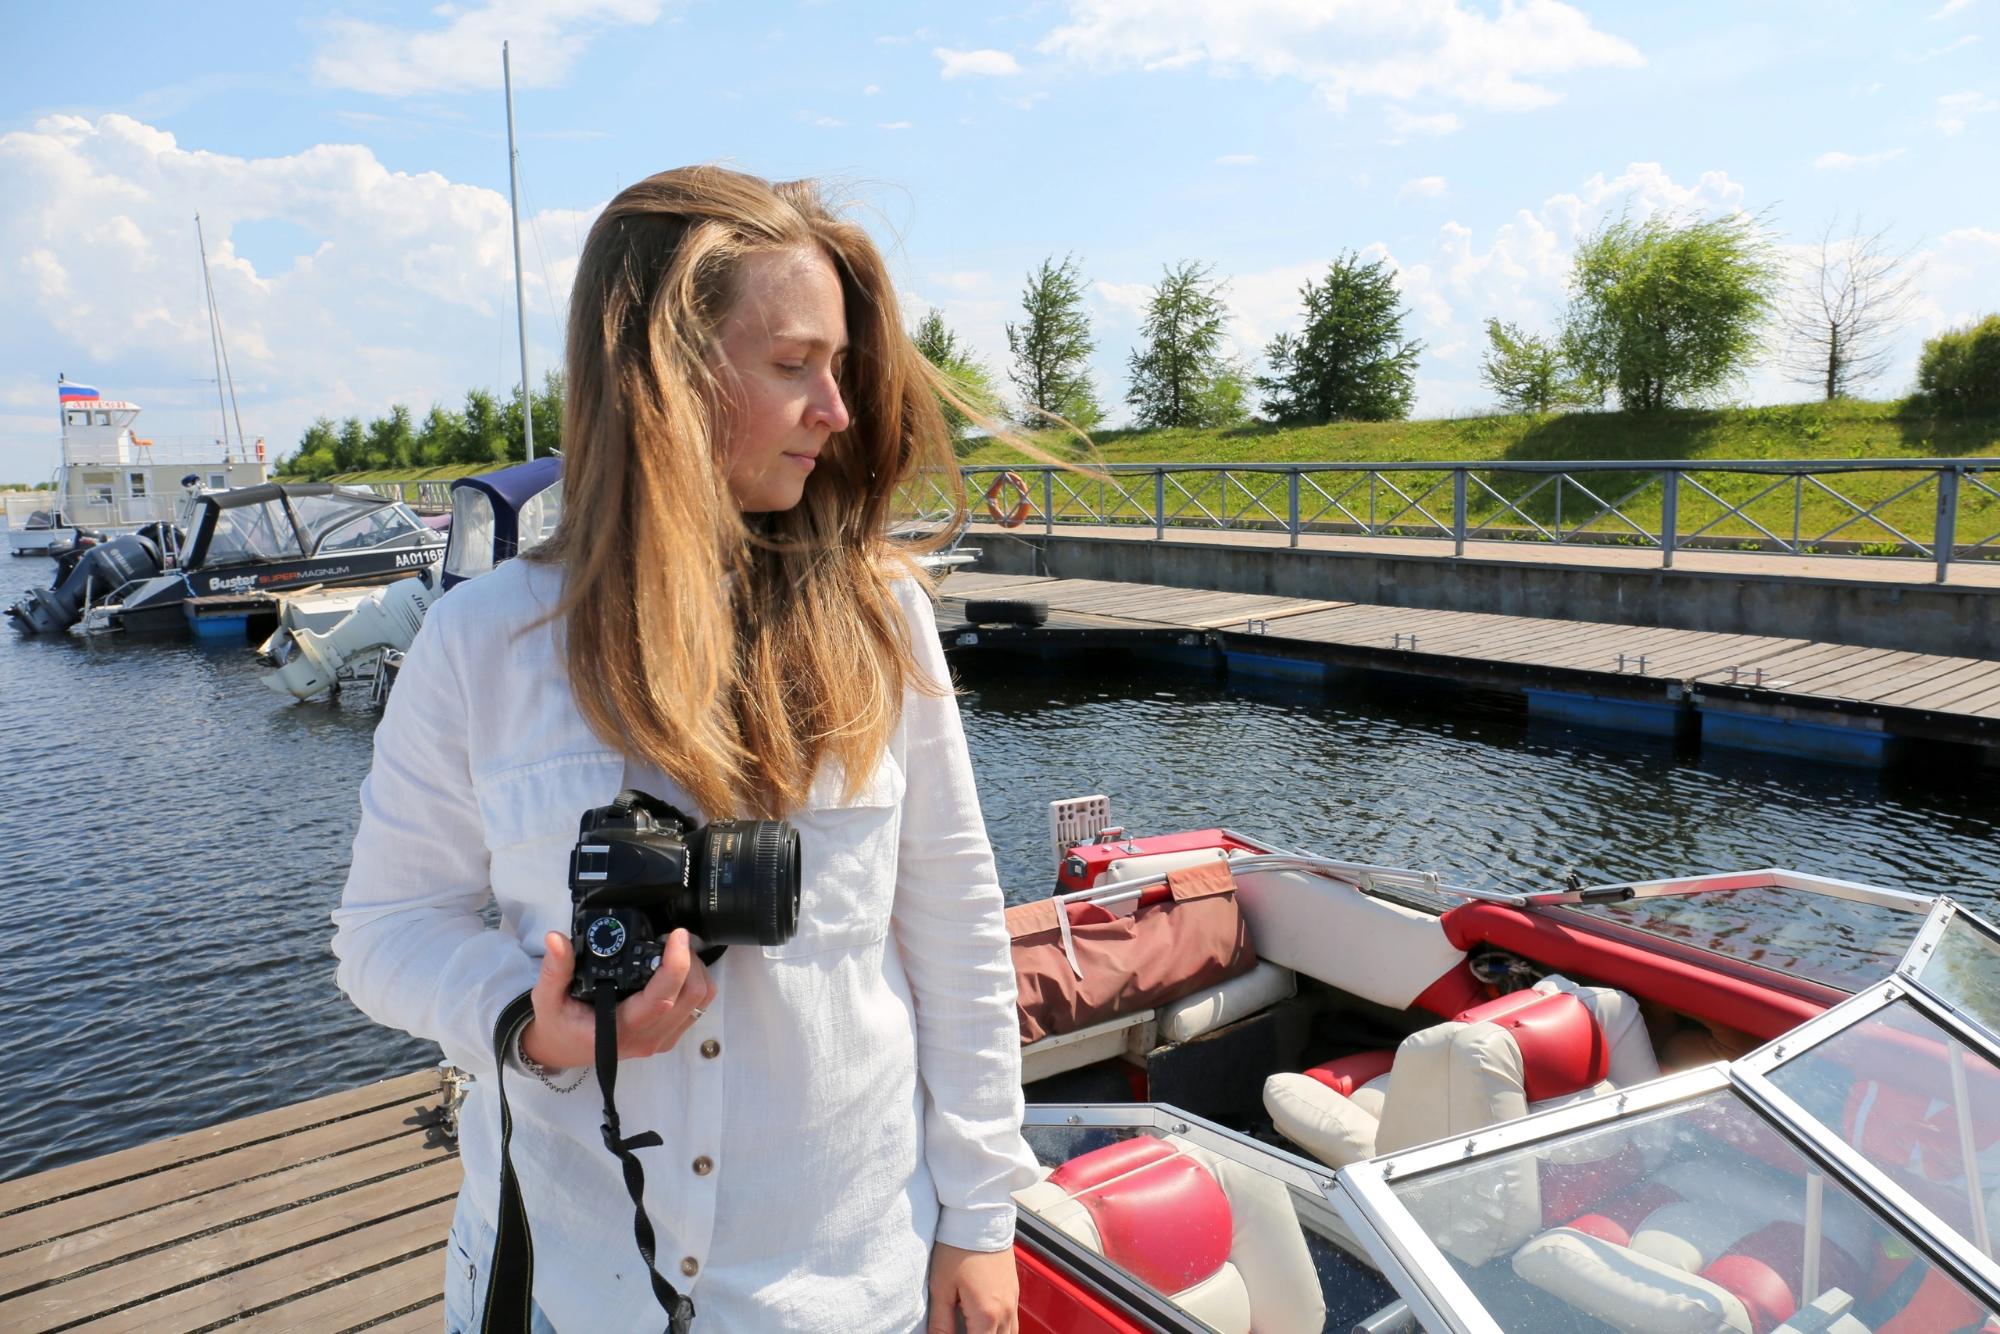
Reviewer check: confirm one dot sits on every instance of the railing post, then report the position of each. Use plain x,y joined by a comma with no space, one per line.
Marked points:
1947,521
1159,503
1457,511
1670,516
1048,502
1292,500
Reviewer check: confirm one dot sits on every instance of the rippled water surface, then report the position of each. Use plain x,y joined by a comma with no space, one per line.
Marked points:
173,836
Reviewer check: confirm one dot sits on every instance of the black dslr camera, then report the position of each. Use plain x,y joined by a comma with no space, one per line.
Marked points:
641,868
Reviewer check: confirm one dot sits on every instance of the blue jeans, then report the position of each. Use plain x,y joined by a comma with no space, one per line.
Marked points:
467,1253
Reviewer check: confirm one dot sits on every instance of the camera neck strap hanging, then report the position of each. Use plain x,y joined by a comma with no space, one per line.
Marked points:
511,1281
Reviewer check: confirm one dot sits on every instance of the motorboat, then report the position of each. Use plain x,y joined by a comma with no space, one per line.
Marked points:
495,516
254,539
1273,1091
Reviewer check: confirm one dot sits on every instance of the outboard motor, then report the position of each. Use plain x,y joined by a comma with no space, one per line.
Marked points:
310,663
100,569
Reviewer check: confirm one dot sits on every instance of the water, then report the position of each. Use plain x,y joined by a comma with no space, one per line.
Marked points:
175,836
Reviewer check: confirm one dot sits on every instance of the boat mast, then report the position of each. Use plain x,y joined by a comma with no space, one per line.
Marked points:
514,209
220,348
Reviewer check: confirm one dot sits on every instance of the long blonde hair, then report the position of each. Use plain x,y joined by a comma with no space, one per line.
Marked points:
735,652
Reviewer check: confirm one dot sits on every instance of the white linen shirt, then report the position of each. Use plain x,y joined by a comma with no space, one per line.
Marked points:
861,1101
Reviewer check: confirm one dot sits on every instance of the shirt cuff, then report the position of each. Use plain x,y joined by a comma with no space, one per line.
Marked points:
989,1228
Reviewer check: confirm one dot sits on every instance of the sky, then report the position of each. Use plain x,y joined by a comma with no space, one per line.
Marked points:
349,163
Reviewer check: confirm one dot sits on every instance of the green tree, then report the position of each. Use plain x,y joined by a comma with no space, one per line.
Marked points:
548,415
317,452
1667,311
391,441
1051,347
943,349
484,437
1526,371
1959,370
437,438
1351,361
350,450
1179,373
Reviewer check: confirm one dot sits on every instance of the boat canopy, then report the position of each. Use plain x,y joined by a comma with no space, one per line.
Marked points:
278,521
497,515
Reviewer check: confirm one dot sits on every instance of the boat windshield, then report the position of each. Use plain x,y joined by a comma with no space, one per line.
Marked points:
257,532
378,525
1833,932
1194,1226
321,514
1694,1214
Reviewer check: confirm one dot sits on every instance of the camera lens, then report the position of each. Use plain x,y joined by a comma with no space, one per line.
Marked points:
747,882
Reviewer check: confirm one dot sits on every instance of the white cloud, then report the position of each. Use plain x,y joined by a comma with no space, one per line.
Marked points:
892,124
1236,159
1423,187
1027,102
1365,48
401,291
1837,161
871,90
1954,109
819,121
546,38
1403,124
1970,39
1125,302
1950,7
958,64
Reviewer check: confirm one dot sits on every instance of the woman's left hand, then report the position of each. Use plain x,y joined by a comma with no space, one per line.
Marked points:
981,1284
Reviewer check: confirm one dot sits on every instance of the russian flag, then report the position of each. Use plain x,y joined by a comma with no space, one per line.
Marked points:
70,392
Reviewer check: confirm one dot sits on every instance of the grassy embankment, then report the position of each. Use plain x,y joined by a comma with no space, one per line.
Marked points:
1818,432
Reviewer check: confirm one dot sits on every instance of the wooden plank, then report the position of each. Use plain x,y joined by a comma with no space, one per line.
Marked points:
162,1272
152,1229
25,1192
69,1214
1790,665
1945,694
425,1321
1907,668
1862,661
251,1287
356,1301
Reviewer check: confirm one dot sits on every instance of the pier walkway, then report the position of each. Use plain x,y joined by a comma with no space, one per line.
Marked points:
1763,691
328,1215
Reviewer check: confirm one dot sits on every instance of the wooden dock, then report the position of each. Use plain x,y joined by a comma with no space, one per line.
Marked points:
328,1215
1923,695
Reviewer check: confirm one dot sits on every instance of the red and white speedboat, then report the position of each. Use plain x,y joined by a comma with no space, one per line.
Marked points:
1275,1092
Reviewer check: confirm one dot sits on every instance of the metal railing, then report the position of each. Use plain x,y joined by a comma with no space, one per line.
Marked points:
1931,510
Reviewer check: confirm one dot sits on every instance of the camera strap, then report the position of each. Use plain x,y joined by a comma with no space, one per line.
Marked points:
511,1281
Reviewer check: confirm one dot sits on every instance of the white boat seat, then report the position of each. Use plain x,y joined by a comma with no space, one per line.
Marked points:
1693,1250
1219,1240
1060,1052
1524,1052
1227,1001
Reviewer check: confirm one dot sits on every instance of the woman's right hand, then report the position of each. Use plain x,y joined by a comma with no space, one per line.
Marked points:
563,1032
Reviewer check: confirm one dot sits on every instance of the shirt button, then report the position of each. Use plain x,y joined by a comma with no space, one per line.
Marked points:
711,1049
690,1266
703,1165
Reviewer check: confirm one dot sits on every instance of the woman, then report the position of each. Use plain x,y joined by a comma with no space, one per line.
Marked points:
721,623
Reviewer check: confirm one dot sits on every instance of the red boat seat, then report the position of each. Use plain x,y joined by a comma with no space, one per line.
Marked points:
1217,1239
1495,1062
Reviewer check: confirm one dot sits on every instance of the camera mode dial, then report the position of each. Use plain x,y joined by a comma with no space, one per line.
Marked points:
605,936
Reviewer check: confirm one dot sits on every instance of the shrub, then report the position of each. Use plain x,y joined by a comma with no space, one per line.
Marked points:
1959,371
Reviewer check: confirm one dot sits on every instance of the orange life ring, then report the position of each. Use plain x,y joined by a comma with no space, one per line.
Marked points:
1022,509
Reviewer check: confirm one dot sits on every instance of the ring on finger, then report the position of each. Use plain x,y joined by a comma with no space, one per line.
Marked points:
696,1013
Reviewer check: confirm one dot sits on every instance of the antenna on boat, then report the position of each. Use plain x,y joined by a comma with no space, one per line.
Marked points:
514,209
220,348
